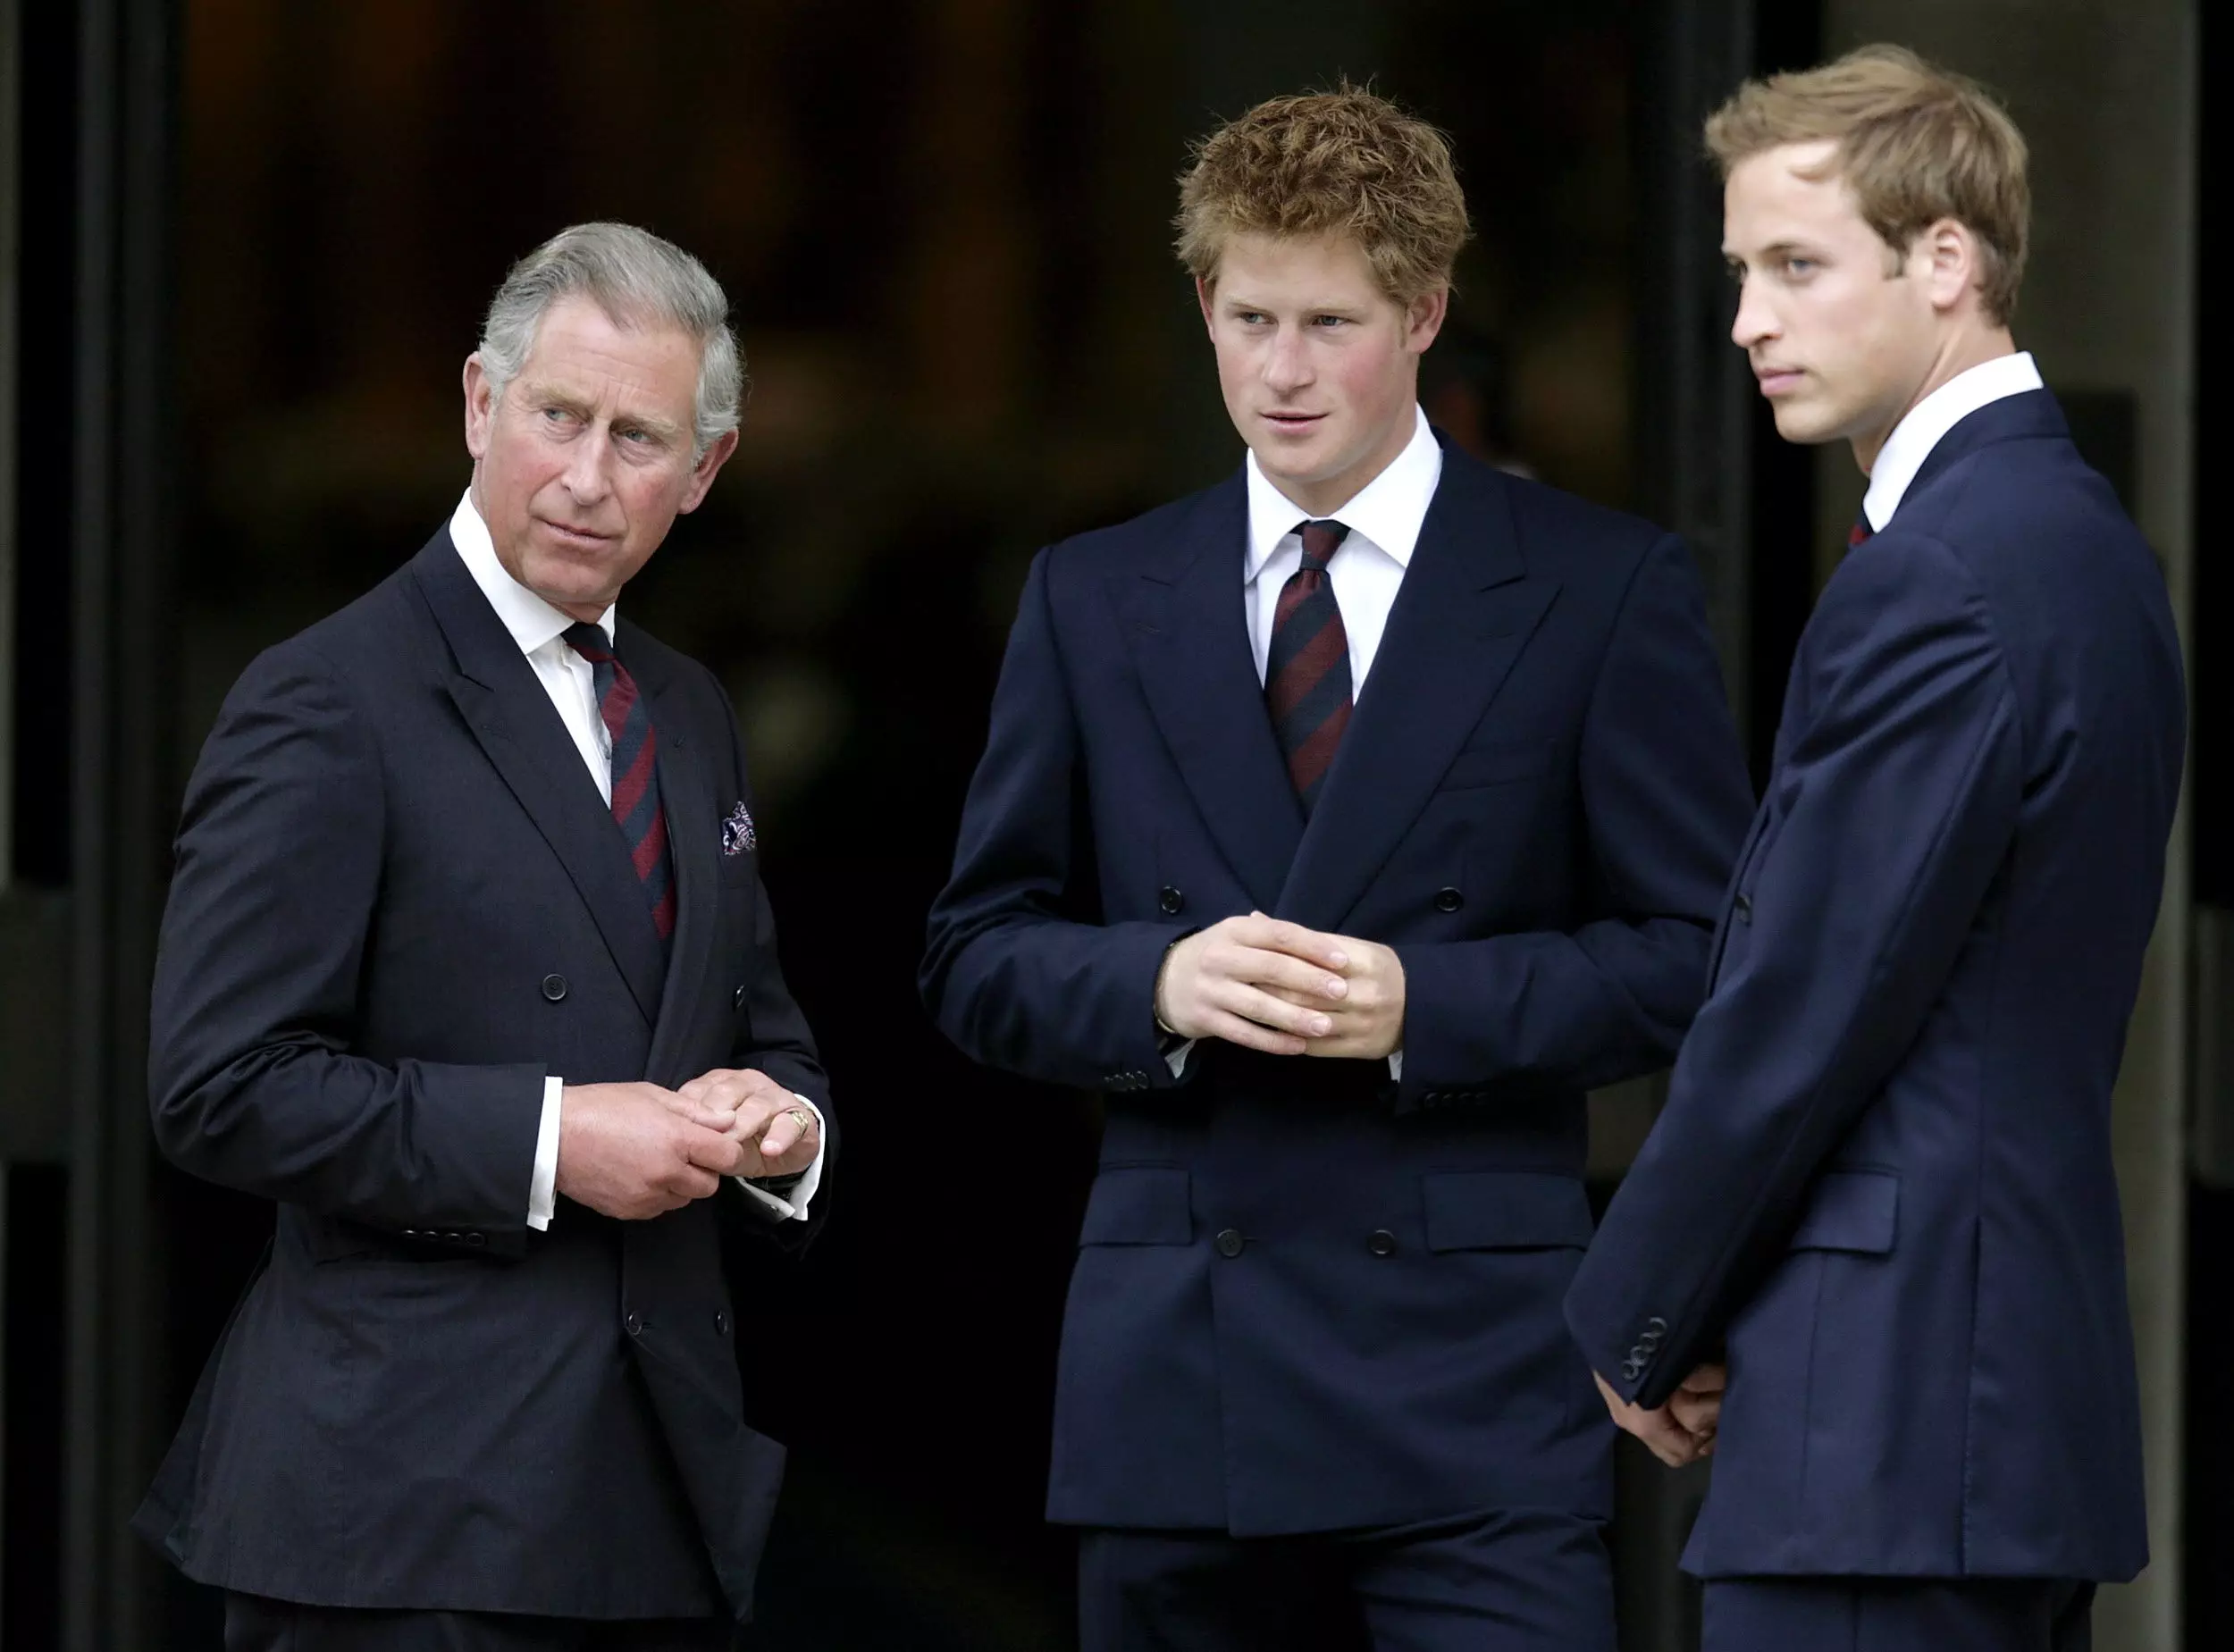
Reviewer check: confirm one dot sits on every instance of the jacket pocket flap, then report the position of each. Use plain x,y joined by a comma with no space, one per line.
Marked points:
1496,761
1505,1210
1852,1211
1139,1204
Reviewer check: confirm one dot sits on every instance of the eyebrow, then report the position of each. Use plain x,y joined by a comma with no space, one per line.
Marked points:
1327,308
1776,249
552,395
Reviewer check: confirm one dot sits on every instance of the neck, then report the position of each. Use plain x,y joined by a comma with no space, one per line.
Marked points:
1960,351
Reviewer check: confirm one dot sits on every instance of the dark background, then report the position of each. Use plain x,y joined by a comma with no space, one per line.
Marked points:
944,227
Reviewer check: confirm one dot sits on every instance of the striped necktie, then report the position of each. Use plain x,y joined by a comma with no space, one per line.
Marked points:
1860,531
643,825
1307,669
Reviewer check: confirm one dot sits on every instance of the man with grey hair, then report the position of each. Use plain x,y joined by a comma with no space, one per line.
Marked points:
468,965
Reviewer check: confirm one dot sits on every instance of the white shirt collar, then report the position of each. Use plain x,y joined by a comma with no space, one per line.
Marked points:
1388,510
533,622
1921,429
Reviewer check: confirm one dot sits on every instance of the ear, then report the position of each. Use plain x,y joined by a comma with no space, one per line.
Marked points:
1952,268
702,473
480,406
1423,318
1205,293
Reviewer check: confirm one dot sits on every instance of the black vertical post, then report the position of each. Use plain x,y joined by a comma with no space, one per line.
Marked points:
1695,395
1694,435
119,546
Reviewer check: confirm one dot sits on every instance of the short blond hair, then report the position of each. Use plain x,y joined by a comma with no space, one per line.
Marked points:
1342,162
1916,144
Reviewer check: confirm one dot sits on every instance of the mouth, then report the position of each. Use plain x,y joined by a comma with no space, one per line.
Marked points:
575,538
1292,424
1777,381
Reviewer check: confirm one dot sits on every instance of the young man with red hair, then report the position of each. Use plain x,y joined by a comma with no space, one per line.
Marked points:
1342,824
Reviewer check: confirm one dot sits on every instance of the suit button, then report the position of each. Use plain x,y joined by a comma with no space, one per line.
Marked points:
1742,908
1230,1242
554,987
1381,1242
1449,899
721,1322
476,1239
633,1321
736,999
1170,901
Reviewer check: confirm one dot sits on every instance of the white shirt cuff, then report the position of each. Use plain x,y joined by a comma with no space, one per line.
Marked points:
793,1206
542,1187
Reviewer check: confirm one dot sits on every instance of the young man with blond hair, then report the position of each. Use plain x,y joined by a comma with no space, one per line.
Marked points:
1879,1207
1342,824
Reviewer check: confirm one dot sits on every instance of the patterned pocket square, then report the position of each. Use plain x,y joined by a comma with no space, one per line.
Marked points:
738,836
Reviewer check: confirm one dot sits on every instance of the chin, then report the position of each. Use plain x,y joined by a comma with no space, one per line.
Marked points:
1805,426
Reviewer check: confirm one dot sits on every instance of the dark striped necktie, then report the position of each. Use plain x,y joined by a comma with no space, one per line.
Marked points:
1307,669
643,825
1860,531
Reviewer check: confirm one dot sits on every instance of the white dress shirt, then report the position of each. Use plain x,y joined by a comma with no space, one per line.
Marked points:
1368,569
539,629
1921,428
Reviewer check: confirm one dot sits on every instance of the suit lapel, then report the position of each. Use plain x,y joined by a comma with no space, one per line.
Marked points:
496,692
1183,622
1465,612
687,798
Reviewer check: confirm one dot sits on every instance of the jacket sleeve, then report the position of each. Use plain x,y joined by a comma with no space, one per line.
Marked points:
1665,800
1017,972
1895,805
253,1080
773,1035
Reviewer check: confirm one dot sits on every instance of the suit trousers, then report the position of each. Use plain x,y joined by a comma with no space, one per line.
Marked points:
1897,1614
1528,1581
253,1624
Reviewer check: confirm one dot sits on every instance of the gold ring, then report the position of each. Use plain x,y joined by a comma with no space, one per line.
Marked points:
801,1118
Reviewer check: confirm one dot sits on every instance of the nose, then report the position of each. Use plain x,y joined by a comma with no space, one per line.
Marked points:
1288,362
588,476
1755,324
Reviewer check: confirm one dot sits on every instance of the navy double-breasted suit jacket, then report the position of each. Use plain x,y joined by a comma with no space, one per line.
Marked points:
1883,1172
399,903
1307,1297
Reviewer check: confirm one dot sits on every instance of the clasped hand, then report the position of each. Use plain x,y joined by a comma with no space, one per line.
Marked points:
1276,987
1684,1430
636,1150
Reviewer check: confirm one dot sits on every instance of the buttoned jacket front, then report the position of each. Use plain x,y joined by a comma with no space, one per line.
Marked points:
1309,1296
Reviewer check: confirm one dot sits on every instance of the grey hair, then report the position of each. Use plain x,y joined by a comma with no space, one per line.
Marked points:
636,278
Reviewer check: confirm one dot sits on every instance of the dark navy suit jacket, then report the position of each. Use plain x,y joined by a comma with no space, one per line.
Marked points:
1883,1172
401,902
1306,1297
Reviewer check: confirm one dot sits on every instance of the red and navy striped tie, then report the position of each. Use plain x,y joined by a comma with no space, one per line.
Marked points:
1859,531
1307,669
643,825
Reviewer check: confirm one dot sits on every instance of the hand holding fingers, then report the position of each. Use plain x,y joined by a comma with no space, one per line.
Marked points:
1667,1438
633,1152
1210,978
1697,1404
1699,1415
